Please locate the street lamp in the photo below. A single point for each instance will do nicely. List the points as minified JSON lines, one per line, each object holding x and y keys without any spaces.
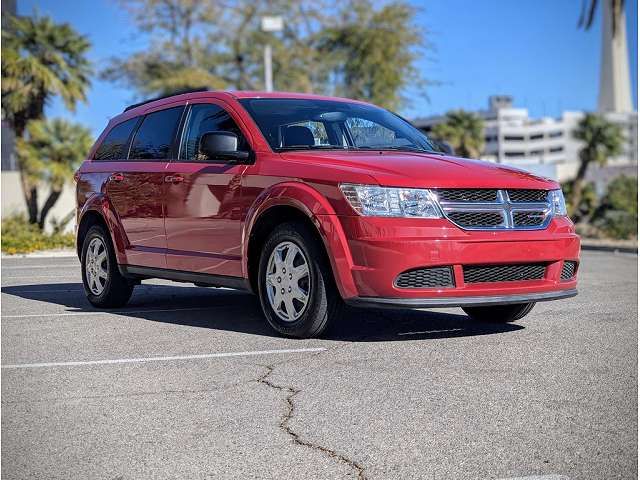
{"x":269,"y":24}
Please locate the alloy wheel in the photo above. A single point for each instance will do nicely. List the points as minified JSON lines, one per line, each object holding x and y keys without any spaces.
{"x":288,"y":281}
{"x":96,"y":268}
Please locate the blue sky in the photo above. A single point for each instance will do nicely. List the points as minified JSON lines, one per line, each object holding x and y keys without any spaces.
{"x":530,"y":49}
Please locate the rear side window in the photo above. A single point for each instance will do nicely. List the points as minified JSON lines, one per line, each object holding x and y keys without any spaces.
{"x":154,"y":138}
{"x":113,"y":146}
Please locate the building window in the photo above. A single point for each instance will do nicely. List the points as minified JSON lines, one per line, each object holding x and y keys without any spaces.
{"x":536,"y":153}
{"x":556,"y":149}
{"x":536,"y":136}
{"x":513,"y":138}
{"x":555,"y":134}
{"x":513,"y":154}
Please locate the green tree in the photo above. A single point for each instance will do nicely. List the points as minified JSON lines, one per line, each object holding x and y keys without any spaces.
{"x":464,"y":131}
{"x":40,"y":60}
{"x":376,"y":50}
{"x":49,"y":153}
{"x":589,"y":201}
{"x":360,"y":51}
{"x":618,"y":212}
{"x":602,"y":140}
{"x":622,"y":195}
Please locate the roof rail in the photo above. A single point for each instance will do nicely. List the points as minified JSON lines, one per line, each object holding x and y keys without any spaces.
{"x":177,"y":92}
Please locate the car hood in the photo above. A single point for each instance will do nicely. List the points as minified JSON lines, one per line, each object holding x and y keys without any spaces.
{"x":409,"y":169}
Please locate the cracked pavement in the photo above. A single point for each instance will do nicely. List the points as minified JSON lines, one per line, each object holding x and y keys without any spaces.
{"x":394,"y":395}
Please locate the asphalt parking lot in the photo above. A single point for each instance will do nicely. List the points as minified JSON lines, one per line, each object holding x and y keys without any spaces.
{"x":189,"y":382}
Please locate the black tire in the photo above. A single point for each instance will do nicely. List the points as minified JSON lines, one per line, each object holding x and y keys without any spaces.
{"x":500,"y":313}
{"x":324,"y":303}
{"x":117,"y":290}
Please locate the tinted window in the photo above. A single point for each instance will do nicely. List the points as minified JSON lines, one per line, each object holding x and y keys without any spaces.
{"x":154,"y":137}
{"x":367,"y":133}
{"x":205,"y":118}
{"x":289,"y":123}
{"x":112,"y":147}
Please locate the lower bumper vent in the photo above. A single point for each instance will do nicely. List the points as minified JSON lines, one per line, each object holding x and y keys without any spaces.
{"x":568,"y":270}
{"x":503,"y":273}
{"x":434,"y":277}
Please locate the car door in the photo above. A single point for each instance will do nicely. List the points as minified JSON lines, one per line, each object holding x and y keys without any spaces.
{"x":136,"y":188}
{"x":203,"y":218}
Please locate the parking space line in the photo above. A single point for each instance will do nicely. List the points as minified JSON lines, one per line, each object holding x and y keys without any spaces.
{"x":25,"y":277}
{"x":27,"y":267}
{"x":538,"y":477}
{"x":163,"y":359}
{"x":118,"y":312}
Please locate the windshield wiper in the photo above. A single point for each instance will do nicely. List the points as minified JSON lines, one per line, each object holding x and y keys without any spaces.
{"x":409,"y":148}
{"x":399,"y":148}
{"x":313,"y":147}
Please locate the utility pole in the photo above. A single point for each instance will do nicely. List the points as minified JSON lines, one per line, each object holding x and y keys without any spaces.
{"x":270,"y":24}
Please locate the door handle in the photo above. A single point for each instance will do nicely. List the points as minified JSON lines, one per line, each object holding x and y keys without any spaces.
{"x":174,"y":179}
{"x":116,"y":177}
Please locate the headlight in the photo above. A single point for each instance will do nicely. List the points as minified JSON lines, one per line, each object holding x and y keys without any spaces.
{"x":370,"y":200}
{"x":557,"y":203}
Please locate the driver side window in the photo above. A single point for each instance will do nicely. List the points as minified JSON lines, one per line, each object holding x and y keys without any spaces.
{"x":203,"y":118}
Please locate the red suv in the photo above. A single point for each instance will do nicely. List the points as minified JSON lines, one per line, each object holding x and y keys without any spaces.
{"x":311,"y":203}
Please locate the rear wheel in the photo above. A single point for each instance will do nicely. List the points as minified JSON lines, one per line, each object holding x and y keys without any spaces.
{"x":500,"y":313}
{"x":295,"y":283}
{"x":103,"y":284}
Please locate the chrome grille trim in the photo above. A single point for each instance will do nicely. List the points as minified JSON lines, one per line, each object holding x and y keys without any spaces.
{"x":520,"y":215}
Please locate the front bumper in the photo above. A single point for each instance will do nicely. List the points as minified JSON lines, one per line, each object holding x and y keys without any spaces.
{"x":382,"y":248}
{"x":378,"y":302}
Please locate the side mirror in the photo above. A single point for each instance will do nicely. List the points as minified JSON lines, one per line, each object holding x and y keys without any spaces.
{"x":223,"y":146}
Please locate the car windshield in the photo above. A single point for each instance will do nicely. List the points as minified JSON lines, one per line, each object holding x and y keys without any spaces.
{"x":306,"y":124}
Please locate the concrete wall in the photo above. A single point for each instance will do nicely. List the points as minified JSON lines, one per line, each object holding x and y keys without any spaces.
{"x":13,"y":200}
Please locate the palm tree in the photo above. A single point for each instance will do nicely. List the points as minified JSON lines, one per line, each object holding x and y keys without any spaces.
{"x":587,"y":13}
{"x":40,"y":59}
{"x":602,"y":140}
{"x":49,"y":153}
{"x":464,"y":131}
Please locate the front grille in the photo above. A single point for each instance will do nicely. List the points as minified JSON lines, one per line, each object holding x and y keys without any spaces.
{"x":503,"y":273}
{"x":527,"y":195}
{"x":467,"y":195}
{"x":528,"y":218}
{"x":487,"y":209}
{"x":476,"y":219}
{"x":568,"y":270}
{"x":434,"y":277}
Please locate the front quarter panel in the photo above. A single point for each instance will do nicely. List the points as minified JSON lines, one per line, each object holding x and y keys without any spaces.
{"x":319,"y":210}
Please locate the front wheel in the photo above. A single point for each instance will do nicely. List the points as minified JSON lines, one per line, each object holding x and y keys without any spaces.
{"x":295,"y":283}
{"x":500,"y":313}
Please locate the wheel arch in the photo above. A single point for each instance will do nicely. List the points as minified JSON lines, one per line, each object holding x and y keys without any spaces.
{"x":297,"y":202}
{"x":98,"y":211}
{"x":89,"y":219}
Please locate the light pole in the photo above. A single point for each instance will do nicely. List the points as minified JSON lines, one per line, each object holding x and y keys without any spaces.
{"x":269,"y":24}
